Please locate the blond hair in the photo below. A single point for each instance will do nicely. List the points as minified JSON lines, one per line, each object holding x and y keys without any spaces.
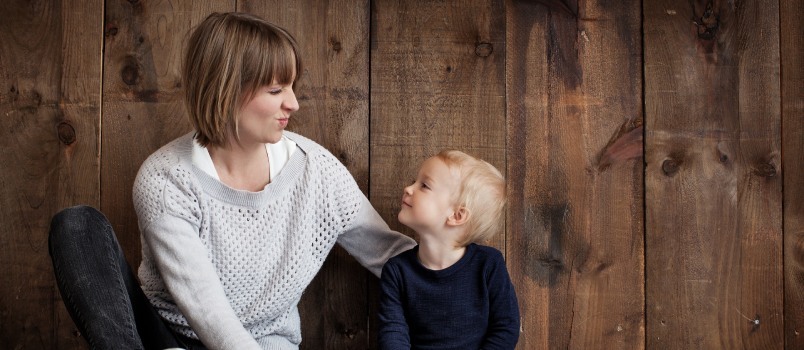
{"x":228,"y":58}
{"x":482,"y":192}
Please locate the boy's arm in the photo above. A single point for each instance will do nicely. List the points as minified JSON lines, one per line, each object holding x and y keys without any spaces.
{"x":393,"y":328}
{"x":503,"y":331}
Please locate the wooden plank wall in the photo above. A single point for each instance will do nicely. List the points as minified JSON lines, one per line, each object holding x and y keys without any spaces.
{"x":713,"y":189}
{"x":654,"y":151}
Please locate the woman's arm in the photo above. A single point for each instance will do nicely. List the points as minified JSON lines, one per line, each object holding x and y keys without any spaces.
{"x":370,"y":241}
{"x":194,"y":285}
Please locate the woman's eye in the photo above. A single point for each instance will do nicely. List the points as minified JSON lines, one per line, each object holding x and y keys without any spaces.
{"x":275,"y":91}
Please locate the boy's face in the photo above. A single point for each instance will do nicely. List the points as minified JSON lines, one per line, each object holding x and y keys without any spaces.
{"x":429,"y":201}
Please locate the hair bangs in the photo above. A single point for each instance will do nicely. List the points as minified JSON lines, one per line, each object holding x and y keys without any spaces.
{"x":271,"y":58}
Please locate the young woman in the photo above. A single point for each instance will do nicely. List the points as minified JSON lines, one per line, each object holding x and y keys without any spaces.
{"x":236,"y":217}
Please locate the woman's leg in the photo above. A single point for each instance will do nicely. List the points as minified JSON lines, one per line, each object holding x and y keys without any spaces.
{"x":99,"y":289}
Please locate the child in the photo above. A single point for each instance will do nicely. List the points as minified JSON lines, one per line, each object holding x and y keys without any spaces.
{"x":449,"y":292}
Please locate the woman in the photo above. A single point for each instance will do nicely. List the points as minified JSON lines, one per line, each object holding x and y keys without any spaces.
{"x":236,"y":218}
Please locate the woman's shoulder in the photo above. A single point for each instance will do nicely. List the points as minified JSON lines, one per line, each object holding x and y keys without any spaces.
{"x":171,"y":153}
{"x":165,"y":161}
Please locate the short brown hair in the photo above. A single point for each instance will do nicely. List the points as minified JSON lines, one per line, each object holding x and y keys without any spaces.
{"x":482,"y":192}
{"x":228,"y":57}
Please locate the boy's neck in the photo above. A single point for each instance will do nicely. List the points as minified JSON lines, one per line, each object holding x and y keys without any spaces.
{"x":436,"y":254}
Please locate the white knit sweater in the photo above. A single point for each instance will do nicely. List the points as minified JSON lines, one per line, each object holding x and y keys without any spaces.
{"x":229,"y":266}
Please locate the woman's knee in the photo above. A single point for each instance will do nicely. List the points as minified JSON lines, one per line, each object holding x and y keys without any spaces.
{"x":75,"y":224}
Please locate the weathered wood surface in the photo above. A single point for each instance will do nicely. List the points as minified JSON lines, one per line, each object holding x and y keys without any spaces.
{"x":792,"y":85}
{"x":50,"y":66}
{"x":575,"y":173}
{"x":713,"y":185}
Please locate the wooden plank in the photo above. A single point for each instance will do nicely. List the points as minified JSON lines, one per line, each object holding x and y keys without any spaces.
{"x":713,"y":191}
{"x":142,"y":105}
{"x":573,"y":74}
{"x":792,"y":82}
{"x":50,"y":102}
{"x":437,"y":82}
{"x":333,"y":99}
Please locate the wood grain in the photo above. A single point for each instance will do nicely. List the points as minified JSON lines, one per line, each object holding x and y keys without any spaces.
{"x":713,"y":190}
{"x":575,"y":170}
{"x":437,"y":82}
{"x":792,"y":85}
{"x":49,"y":120}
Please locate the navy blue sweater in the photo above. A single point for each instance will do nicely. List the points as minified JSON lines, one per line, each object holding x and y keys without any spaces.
{"x":469,"y":305}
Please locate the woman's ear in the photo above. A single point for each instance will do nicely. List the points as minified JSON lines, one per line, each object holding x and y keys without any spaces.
{"x":459,"y":217}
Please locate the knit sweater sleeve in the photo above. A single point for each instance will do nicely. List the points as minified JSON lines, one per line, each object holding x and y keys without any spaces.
{"x":368,"y":239}
{"x":169,"y":222}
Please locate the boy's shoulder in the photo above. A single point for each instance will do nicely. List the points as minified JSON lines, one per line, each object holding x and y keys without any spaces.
{"x":487,"y":251}
{"x":405,"y":256}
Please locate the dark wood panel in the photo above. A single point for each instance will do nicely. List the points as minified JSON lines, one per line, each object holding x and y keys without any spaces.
{"x":713,"y":191}
{"x":333,"y":110}
{"x":575,"y":172}
{"x":437,"y":82}
{"x":792,"y":61}
{"x":49,"y":117}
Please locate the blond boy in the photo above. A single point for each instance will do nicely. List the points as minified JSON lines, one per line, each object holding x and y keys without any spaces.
{"x":450,"y":292}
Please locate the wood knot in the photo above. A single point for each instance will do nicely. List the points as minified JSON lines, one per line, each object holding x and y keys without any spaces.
{"x":66,"y":133}
{"x":344,"y":158}
{"x":131,"y":71}
{"x":670,"y":167}
{"x":335,"y":44}
{"x":483,"y":49}
{"x":765,"y":170}
{"x":350,"y":333}
{"x":707,"y":24}
{"x":111,"y":30}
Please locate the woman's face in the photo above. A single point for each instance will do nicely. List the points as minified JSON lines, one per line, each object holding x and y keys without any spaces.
{"x":263,"y":119}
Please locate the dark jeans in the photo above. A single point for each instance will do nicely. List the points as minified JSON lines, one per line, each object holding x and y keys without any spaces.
{"x":99,"y":289}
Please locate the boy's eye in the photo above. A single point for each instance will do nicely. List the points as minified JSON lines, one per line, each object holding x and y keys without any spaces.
{"x":424,"y":185}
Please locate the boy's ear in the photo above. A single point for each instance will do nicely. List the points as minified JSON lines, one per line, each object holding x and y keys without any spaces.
{"x":458,"y":217}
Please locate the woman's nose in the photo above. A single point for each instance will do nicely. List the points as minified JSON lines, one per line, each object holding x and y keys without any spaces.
{"x":290,"y":103}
